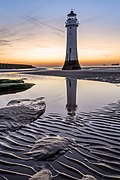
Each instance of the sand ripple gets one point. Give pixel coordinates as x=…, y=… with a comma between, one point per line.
x=95, y=149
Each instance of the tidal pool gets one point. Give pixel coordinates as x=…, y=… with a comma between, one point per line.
x=62, y=94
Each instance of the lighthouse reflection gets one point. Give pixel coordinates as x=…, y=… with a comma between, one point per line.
x=71, y=85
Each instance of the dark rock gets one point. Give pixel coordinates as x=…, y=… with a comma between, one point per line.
x=44, y=174
x=50, y=146
x=20, y=112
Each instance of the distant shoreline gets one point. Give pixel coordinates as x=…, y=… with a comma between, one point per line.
x=15, y=66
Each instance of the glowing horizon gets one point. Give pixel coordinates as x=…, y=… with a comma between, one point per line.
x=35, y=33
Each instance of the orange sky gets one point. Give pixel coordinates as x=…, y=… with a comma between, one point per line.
x=55, y=55
x=49, y=50
x=53, y=52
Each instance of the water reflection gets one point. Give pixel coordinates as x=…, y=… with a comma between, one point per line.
x=60, y=92
x=71, y=85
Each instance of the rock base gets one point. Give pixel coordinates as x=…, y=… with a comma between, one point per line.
x=44, y=174
x=71, y=65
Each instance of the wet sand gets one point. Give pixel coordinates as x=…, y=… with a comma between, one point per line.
x=111, y=75
x=94, y=149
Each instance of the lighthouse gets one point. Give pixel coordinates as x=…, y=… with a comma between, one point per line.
x=71, y=59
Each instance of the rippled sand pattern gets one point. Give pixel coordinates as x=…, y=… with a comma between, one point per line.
x=95, y=149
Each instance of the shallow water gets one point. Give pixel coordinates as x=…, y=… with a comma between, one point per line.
x=87, y=95
x=96, y=133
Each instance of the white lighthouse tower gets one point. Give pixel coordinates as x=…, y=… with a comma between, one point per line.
x=71, y=60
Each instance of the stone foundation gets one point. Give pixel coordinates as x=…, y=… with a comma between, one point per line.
x=71, y=65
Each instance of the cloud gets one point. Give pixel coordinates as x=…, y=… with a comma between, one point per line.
x=43, y=46
x=3, y=33
x=25, y=30
x=15, y=33
x=37, y=21
x=59, y=34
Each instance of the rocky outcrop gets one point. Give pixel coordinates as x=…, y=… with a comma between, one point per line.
x=20, y=112
x=44, y=174
x=49, y=147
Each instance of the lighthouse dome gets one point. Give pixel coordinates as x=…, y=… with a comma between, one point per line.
x=71, y=14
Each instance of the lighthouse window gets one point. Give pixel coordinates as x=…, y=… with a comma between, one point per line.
x=70, y=50
x=70, y=27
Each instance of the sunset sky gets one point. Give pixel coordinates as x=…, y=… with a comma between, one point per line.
x=33, y=31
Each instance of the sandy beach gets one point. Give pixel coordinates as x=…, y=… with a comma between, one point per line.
x=43, y=137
